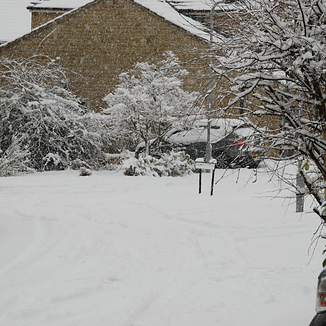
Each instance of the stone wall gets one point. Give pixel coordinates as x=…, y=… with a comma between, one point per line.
x=105, y=38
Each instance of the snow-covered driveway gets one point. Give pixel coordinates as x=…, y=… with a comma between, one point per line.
x=120, y=251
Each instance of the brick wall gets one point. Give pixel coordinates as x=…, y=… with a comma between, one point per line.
x=41, y=17
x=103, y=39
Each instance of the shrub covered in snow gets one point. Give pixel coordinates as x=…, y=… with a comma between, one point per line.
x=14, y=160
x=84, y=172
x=115, y=161
x=37, y=108
x=169, y=164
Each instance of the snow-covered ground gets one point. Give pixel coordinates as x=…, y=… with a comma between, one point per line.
x=119, y=251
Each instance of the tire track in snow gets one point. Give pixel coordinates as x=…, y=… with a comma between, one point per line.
x=180, y=268
x=29, y=246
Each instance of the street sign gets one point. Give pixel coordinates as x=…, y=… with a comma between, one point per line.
x=201, y=165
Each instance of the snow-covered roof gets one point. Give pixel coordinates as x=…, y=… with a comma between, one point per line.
x=58, y=4
x=160, y=7
x=165, y=10
x=202, y=5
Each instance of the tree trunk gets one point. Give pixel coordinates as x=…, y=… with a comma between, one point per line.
x=324, y=174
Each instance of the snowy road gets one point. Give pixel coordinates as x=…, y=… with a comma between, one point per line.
x=121, y=251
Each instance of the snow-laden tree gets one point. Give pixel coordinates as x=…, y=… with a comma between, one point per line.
x=39, y=112
x=149, y=101
x=275, y=61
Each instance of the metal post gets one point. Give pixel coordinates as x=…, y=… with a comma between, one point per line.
x=209, y=109
x=299, y=195
x=212, y=183
x=324, y=138
x=299, y=181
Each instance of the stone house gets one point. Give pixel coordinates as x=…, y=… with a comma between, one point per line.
x=103, y=38
x=224, y=15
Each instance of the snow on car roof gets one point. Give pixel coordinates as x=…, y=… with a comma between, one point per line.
x=219, y=129
x=225, y=123
x=196, y=135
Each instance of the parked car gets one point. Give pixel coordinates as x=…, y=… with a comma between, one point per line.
x=229, y=139
x=320, y=317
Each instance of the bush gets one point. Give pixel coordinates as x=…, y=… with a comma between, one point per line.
x=37, y=108
x=84, y=172
x=169, y=164
x=14, y=160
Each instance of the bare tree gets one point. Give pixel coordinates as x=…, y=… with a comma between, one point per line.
x=275, y=62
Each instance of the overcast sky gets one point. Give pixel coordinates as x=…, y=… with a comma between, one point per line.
x=14, y=19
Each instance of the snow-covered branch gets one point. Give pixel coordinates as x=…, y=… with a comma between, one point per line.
x=276, y=63
x=149, y=102
x=37, y=107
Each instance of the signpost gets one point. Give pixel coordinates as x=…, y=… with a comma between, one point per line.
x=201, y=165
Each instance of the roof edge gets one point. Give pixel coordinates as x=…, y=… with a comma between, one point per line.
x=204, y=37
x=201, y=31
x=35, y=9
